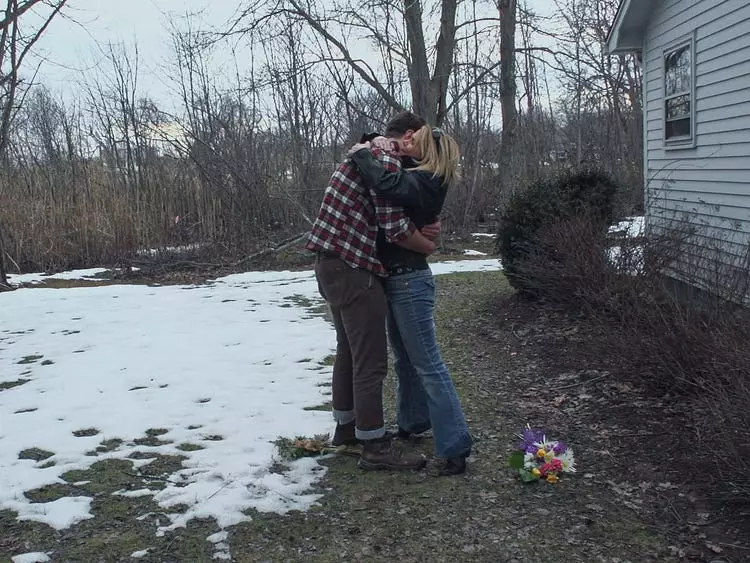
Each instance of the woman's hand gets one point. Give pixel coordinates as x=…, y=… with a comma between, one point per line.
x=357, y=147
x=431, y=231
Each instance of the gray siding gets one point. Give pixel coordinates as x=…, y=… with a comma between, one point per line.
x=710, y=183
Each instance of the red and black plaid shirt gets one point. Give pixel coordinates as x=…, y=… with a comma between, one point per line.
x=350, y=215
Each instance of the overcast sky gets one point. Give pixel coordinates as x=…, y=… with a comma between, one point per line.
x=70, y=50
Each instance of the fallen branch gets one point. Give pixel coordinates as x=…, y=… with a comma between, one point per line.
x=283, y=245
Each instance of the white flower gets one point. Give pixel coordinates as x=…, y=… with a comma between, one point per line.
x=528, y=461
x=544, y=444
x=568, y=461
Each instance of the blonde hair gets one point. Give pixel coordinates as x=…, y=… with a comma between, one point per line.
x=441, y=160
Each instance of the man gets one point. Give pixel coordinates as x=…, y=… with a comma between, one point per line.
x=349, y=276
x=427, y=397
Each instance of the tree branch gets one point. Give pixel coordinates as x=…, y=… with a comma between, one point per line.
x=371, y=80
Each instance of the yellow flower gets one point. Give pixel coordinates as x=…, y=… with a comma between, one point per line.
x=541, y=452
x=536, y=472
x=552, y=479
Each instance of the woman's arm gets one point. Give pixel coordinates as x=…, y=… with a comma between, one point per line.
x=400, y=187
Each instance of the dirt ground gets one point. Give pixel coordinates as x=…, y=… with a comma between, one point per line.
x=639, y=494
x=632, y=499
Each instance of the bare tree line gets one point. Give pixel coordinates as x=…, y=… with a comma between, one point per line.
x=241, y=159
x=16, y=42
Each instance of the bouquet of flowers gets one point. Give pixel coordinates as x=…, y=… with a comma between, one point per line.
x=539, y=458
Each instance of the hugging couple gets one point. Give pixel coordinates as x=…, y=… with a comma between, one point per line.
x=376, y=226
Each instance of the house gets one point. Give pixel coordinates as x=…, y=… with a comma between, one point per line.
x=695, y=59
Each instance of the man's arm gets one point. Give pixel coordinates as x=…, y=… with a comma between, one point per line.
x=399, y=229
x=396, y=226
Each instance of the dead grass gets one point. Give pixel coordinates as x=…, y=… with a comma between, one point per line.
x=510, y=360
x=671, y=336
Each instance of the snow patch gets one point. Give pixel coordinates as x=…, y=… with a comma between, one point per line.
x=630, y=227
x=218, y=537
x=170, y=249
x=37, y=557
x=91, y=273
x=456, y=266
x=134, y=494
x=59, y=514
x=228, y=366
x=474, y=253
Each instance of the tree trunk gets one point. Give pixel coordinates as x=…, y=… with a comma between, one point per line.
x=429, y=91
x=507, y=10
x=422, y=97
x=4, y=285
x=446, y=45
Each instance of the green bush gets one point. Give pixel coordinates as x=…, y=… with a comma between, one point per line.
x=589, y=194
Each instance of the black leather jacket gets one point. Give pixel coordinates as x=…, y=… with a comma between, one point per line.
x=419, y=192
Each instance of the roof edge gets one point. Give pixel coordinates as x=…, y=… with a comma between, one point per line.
x=619, y=42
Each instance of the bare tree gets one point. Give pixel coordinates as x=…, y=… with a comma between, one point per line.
x=507, y=9
x=398, y=32
x=242, y=157
x=602, y=97
x=16, y=42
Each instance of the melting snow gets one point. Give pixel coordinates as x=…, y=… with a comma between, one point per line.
x=631, y=227
x=229, y=366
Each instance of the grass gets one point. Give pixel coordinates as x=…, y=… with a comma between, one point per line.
x=109, y=445
x=150, y=441
x=5, y=385
x=328, y=361
x=190, y=447
x=86, y=432
x=36, y=454
x=485, y=515
x=325, y=407
x=30, y=359
x=315, y=307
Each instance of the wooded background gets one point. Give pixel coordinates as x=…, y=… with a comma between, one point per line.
x=239, y=161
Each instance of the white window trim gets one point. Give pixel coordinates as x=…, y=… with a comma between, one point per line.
x=676, y=143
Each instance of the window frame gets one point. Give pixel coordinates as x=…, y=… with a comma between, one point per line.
x=685, y=141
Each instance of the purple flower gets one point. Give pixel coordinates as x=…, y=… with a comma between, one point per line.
x=560, y=448
x=529, y=437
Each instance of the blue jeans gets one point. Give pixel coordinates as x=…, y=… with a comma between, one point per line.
x=427, y=397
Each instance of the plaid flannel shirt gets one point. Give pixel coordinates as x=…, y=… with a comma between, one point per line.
x=350, y=215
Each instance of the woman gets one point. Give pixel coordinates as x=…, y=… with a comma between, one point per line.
x=427, y=397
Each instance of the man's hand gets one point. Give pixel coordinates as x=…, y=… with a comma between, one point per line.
x=357, y=147
x=431, y=231
x=385, y=144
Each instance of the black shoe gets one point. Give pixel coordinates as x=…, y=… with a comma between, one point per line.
x=445, y=467
x=403, y=434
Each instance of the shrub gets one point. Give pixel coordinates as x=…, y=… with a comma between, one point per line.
x=674, y=337
x=584, y=197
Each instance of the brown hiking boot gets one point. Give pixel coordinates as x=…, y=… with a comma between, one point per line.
x=382, y=454
x=344, y=435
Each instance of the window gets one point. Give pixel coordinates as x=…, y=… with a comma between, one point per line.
x=679, y=102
